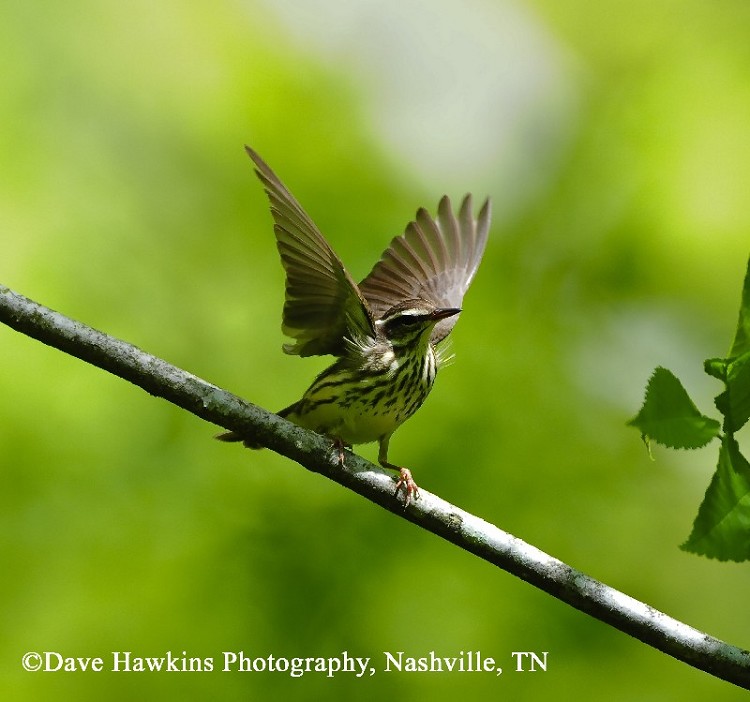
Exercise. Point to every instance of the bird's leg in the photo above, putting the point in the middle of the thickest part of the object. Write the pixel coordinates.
(405, 481)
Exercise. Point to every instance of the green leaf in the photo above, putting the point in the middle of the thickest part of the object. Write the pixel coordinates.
(670, 417)
(734, 402)
(741, 343)
(722, 528)
(716, 367)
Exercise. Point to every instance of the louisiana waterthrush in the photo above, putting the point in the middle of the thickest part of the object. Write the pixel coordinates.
(385, 332)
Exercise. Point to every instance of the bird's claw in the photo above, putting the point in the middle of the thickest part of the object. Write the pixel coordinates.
(406, 482)
(338, 446)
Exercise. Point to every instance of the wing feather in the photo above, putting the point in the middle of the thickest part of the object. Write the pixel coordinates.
(323, 305)
(434, 259)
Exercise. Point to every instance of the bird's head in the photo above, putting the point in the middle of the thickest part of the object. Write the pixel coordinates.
(412, 321)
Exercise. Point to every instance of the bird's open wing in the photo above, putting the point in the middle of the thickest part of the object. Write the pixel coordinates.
(323, 304)
(435, 260)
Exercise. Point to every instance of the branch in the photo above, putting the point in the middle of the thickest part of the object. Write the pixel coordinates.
(430, 512)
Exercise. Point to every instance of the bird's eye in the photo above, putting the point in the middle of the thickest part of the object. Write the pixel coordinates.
(408, 320)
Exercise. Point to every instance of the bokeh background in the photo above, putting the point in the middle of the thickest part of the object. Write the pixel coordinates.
(614, 139)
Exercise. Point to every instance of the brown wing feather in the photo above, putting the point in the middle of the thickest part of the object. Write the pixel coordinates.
(323, 304)
(434, 259)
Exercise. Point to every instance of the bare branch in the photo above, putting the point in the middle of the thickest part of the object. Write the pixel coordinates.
(430, 512)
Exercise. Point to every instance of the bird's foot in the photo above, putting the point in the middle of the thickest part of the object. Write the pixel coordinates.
(405, 481)
(339, 446)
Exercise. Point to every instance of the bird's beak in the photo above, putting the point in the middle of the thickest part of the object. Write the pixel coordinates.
(443, 312)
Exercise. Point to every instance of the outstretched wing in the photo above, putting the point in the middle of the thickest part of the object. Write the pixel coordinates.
(323, 304)
(435, 260)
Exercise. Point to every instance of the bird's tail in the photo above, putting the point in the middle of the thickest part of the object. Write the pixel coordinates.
(247, 441)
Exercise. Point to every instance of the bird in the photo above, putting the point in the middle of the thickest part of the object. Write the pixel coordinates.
(387, 333)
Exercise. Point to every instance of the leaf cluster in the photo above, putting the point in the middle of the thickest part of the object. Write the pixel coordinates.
(669, 417)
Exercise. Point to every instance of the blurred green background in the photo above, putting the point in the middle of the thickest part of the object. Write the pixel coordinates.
(614, 139)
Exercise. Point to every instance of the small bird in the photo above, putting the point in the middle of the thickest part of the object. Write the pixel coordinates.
(384, 332)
